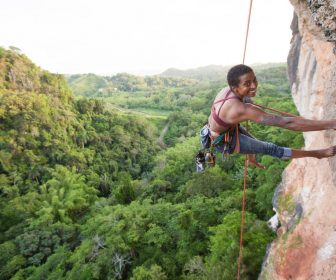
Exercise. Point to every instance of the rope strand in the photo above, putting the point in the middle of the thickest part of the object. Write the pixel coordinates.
(278, 111)
(246, 157)
(242, 218)
(247, 30)
(245, 164)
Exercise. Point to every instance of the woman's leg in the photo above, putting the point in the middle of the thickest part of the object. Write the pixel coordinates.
(321, 153)
(250, 145)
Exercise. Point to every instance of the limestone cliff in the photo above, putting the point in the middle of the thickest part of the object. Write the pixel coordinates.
(305, 247)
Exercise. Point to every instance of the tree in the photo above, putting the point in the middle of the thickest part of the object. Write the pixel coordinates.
(65, 197)
(153, 273)
(124, 189)
(222, 262)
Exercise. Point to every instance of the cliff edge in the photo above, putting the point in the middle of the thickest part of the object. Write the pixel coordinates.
(305, 200)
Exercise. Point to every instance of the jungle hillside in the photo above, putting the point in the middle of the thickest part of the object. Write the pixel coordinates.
(98, 177)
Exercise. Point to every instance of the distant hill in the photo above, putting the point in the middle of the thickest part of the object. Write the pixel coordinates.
(210, 72)
(104, 86)
(218, 72)
(19, 74)
(86, 84)
(95, 85)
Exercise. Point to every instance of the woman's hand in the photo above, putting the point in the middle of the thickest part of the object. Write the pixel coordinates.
(251, 160)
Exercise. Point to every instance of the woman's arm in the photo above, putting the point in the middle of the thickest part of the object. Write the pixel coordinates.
(298, 124)
(250, 112)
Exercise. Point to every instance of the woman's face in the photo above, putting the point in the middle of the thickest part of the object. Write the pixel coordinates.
(247, 85)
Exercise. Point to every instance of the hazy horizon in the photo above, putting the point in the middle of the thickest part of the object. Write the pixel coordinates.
(145, 38)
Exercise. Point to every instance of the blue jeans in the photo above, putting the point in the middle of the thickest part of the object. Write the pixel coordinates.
(249, 145)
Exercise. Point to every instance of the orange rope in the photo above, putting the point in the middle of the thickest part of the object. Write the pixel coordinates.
(278, 111)
(246, 156)
(247, 30)
(244, 189)
(246, 162)
(242, 218)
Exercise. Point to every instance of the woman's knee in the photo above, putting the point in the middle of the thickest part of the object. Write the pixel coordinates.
(279, 152)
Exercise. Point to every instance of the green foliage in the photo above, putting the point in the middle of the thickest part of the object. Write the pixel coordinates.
(86, 84)
(37, 245)
(92, 85)
(54, 267)
(209, 183)
(124, 190)
(176, 165)
(2, 52)
(64, 198)
(183, 124)
(14, 213)
(222, 262)
(13, 265)
(10, 261)
(86, 193)
(153, 273)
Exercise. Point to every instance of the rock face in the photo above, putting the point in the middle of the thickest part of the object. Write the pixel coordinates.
(305, 248)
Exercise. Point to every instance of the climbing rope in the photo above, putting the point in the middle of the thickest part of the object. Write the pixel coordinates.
(247, 30)
(246, 162)
(246, 156)
(277, 111)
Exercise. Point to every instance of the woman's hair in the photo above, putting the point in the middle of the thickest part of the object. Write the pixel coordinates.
(236, 72)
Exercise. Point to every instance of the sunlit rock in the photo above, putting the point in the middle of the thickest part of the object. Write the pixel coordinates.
(306, 205)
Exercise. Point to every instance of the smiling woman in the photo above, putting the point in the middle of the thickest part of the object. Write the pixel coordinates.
(229, 109)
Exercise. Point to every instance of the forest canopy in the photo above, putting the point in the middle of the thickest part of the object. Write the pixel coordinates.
(98, 181)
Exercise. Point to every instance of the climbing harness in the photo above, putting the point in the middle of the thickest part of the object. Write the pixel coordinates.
(205, 156)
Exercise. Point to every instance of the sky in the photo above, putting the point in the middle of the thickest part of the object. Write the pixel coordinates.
(144, 37)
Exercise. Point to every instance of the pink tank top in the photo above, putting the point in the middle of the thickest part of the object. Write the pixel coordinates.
(215, 115)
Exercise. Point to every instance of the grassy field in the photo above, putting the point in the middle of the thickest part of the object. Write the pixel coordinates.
(145, 112)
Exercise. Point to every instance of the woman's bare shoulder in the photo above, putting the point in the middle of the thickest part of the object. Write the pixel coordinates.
(221, 93)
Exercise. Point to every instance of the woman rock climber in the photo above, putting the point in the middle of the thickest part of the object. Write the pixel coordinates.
(229, 109)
